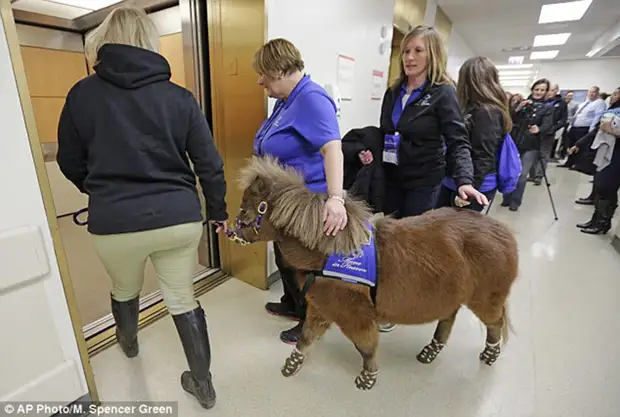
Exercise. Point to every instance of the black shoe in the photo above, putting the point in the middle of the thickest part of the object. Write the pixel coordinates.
(603, 214)
(192, 329)
(537, 181)
(505, 203)
(126, 317)
(585, 201)
(292, 336)
(587, 224)
(514, 207)
(282, 310)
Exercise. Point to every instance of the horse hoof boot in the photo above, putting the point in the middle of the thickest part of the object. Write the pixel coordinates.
(430, 351)
(490, 353)
(366, 380)
(293, 363)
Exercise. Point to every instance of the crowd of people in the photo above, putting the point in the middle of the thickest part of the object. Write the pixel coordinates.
(127, 134)
(568, 131)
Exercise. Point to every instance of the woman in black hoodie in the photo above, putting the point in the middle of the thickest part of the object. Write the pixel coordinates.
(532, 122)
(124, 137)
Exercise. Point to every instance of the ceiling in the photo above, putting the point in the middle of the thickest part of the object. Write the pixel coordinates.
(64, 9)
(489, 26)
(76, 15)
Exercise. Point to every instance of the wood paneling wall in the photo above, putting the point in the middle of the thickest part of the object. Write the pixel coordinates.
(51, 74)
(171, 47)
(443, 24)
(237, 30)
(395, 56)
(408, 14)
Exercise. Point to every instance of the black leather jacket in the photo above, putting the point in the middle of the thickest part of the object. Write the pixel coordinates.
(425, 125)
(536, 113)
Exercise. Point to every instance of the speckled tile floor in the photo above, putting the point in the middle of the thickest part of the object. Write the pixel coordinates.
(562, 361)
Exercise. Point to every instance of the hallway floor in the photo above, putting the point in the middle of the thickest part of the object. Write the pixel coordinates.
(561, 361)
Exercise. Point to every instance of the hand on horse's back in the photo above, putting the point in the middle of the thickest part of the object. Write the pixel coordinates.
(334, 217)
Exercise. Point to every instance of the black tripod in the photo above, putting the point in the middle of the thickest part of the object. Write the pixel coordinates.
(543, 169)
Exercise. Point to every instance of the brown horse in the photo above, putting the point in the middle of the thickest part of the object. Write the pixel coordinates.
(427, 266)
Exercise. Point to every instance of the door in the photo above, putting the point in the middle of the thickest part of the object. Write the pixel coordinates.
(42, 355)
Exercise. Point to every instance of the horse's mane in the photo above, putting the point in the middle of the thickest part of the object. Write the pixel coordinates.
(298, 212)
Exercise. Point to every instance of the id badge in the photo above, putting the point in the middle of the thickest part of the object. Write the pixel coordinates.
(390, 148)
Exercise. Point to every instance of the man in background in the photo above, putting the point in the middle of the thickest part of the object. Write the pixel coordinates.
(571, 106)
(583, 121)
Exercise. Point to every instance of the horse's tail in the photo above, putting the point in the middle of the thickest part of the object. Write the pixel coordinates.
(506, 325)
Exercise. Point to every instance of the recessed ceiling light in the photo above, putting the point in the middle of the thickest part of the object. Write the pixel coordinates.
(544, 54)
(551, 40)
(563, 12)
(510, 67)
(516, 60)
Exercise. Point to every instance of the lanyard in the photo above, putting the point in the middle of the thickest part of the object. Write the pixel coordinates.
(262, 133)
(398, 104)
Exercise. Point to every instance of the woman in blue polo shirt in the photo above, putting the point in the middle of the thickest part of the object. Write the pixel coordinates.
(303, 133)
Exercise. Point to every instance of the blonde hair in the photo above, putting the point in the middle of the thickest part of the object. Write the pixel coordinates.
(437, 56)
(479, 85)
(125, 25)
(278, 57)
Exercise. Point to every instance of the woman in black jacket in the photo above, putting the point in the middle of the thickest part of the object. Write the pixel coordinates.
(532, 122)
(487, 118)
(424, 134)
(124, 137)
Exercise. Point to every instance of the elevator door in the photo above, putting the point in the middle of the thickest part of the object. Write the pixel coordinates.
(54, 62)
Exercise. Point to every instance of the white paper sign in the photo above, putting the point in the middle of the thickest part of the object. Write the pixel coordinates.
(346, 72)
(377, 85)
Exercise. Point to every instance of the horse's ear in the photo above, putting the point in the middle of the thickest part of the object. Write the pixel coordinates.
(259, 186)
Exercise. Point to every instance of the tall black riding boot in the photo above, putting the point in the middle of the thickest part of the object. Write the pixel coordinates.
(594, 217)
(192, 329)
(602, 224)
(126, 317)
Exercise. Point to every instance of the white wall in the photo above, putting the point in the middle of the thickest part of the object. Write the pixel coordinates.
(583, 74)
(459, 51)
(327, 28)
(34, 319)
(580, 74)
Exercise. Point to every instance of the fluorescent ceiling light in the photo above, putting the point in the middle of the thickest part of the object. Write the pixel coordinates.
(563, 12)
(516, 78)
(88, 4)
(521, 66)
(544, 54)
(516, 60)
(515, 73)
(551, 40)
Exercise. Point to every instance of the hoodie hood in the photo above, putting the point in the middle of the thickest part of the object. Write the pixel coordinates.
(130, 67)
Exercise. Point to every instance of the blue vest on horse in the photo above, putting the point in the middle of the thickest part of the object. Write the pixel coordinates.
(359, 268)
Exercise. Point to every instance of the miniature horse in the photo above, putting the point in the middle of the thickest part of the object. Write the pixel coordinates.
(427, 266)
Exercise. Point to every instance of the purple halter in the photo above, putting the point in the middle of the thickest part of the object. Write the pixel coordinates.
(255, 225)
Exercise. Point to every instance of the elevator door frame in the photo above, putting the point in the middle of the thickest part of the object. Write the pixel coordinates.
(101, 333)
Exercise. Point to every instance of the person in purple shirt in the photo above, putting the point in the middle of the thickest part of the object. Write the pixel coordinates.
(302, 132)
